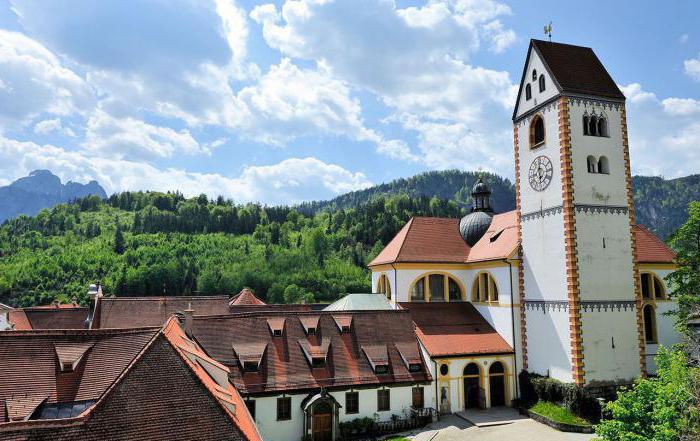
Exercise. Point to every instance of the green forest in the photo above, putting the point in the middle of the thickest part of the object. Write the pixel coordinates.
(150, 243)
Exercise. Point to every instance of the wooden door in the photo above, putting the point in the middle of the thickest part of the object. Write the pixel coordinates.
(323, 427)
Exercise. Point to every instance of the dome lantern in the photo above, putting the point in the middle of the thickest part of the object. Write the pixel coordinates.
(475, 224)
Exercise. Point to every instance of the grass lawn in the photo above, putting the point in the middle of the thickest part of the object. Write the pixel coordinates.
(557, 413)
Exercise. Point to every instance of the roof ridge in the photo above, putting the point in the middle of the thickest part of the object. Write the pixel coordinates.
(165, 297)
(68, 332)
(273, 313)
(409, 225)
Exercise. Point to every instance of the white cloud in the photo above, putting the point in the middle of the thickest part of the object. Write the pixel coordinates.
(55, 125)
(292, 180)
(664, 134)
(132, 138)
(681, 106)
(34, 81)
(692, 68)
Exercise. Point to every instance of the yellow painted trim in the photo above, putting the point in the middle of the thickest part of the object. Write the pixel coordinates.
(379, 268)
(495, 304)
(657, 266)
(490, 278)
(496, 263)
(654, 294)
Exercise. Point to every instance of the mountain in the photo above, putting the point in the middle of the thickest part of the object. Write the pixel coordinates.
(660, 204)
(41, 189)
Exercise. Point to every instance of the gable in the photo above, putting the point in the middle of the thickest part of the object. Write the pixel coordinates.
(534, 64)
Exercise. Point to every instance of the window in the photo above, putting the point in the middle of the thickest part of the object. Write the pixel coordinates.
(381, 369)
(284, 409)
(418, 397)
(383, 286)
(528, 92)
(250, 366)
(602, 127)
(542, 85)
(250, 404)
(536, 131)
(484, 288)
(603, 165)
(352, 402)
(649, 324)
(595, 125)
(444, 369)
(383, 400)
(652, 287)
(592, 164)
(317, 362)
(436, 288)
(534, 74)
(415, 367)
(585, 125)
(436, 283)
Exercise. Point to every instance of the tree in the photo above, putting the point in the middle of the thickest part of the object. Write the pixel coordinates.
(293, 294)
(655, 409)
(118, 240)
(685, 281)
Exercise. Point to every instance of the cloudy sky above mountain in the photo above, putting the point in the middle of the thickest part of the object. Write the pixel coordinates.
(294, 100)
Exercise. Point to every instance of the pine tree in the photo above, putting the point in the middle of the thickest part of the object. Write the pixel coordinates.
(118, 240)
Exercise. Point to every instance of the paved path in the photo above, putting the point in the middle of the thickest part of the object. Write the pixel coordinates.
(453, 428)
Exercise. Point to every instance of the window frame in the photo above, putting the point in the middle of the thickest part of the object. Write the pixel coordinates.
(349, 409)
(528, 92)
(485, 289)
(284, 408)
(541, 83)
(383, 395)
(422, 284)
(650, 328)
(533, 132)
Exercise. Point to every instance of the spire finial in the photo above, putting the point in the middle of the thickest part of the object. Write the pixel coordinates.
(548, 31)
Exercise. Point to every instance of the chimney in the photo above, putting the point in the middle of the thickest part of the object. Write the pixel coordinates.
(189, 318)
(94, 294)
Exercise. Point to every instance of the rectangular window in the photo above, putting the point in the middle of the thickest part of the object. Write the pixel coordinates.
(418, 397)
(352, 402)
(436, 283)
(250, 404)
(383, 400)
(284, 409)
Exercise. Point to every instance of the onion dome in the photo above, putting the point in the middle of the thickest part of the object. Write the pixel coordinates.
(474, 225)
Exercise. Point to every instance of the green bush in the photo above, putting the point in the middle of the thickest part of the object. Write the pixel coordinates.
(580, 402)
(575, 399)
(549, 389)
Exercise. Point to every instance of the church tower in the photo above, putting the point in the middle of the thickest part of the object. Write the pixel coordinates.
(578, 283)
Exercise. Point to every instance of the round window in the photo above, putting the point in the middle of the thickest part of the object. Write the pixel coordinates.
(444, 369)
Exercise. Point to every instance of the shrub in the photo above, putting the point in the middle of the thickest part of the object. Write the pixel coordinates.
(549, 389)
(580, 402)
(528, 395)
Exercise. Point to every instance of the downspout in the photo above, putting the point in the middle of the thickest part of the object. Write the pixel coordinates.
(437, 396)
(396, 289)
(512, 325)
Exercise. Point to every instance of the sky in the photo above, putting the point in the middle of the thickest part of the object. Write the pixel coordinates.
(293, 100)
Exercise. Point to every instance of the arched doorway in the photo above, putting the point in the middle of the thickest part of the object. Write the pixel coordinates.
(472, 386)
(322, 421)
(497, 384)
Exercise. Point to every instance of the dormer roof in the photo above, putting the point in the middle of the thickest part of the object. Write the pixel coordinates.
(69, 354)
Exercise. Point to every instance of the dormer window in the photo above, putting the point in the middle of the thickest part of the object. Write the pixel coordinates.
(250, 366)
(415, 367)
(318, 362)
(250, 355)
(381, 369)
(277, 332)
(311, 331)
(343, 322)
(309, 323)
(70, 354)
(528, 92)
(276, 325)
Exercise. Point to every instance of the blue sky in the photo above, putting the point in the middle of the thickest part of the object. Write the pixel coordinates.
(293, 100)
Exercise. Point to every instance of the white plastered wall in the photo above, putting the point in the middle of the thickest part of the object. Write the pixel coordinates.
(537, 96)
(667, 335)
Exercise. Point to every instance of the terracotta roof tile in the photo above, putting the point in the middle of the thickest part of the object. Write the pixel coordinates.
(285, 365)
(21, 407)
(130, 312)
(650, 249)
(49, 317)
(500, 240)
(455, 329)
(245, 297)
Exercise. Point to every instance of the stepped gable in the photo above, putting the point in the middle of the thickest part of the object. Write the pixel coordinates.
(285, 362)
(455, 328)
(55, 316)
(651, 249)
(129, 312)
(246, 297)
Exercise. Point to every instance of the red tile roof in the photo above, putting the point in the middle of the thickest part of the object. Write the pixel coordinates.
(447, 329)
(219, 388)
(425, 239)
(440, 241)
(650, 249)
(29, 363)
(285, 365)
(245, 297)
(129, 312)
(48, 317)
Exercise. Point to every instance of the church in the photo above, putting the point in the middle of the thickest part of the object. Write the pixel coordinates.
(567, 285)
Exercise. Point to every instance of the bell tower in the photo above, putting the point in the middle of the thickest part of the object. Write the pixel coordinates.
(579, 294)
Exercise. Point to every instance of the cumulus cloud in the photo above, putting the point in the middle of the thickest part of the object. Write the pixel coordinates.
(692, 68)
(49, 126)
(34, 81)
(668, 127)
(292, 180)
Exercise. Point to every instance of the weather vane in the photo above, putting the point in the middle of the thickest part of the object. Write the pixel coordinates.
(548, 30)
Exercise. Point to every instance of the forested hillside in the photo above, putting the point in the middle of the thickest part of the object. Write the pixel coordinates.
(155, 243)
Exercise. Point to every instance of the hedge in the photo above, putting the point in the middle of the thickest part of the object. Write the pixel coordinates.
(576, 399)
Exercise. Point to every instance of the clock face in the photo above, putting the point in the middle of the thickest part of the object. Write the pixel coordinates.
(540, 174)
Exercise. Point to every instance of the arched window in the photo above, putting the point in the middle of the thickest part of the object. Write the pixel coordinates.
(592, 164)
(602, 127)
(603, 165)
(484, 288)
(436, 288)
(536, 131)
(585, 125)
(542, 85)
(528, 92)
(472, 369)
(652, 287)
(649, 324)
(534, 74)
(593, 125)
(383, 286)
